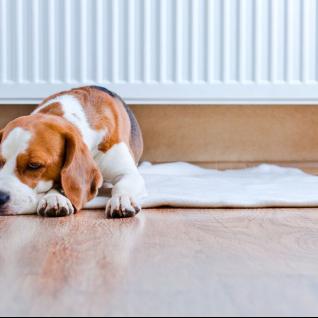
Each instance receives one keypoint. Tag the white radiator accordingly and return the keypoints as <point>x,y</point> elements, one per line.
<point>161,51</point>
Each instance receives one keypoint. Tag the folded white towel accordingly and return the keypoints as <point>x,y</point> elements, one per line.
<point>181,184</point>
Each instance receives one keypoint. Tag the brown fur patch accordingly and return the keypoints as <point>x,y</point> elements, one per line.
<point>105,112</point>
<point>80,176</point>
<point>53,109</point>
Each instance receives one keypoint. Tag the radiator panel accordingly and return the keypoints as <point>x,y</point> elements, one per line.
<point>161,51</point>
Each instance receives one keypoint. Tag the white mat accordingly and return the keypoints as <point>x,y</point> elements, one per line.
<point>184,185</point>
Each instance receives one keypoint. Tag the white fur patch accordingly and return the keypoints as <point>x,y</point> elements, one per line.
<point>16,143</point>
<point>118,167</point>
<point>23,199</point>
<point>75,114</point>
<point>44,186</point>
<point>117,161</point>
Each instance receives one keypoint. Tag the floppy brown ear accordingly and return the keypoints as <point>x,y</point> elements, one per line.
<point>1,134</point>
<point>80,176</point>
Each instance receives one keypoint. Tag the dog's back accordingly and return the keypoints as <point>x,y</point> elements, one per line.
<point>104,110</point>
<point>136,140</point>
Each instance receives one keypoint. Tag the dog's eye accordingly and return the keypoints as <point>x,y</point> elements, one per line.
<point>34,166</point>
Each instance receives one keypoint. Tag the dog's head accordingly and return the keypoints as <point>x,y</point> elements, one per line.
<point>39,152</point>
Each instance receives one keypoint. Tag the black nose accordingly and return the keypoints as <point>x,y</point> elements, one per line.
<point>4,198</point>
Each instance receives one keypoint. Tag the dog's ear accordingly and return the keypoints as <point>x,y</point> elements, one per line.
<point>1,134</point>
<point>80,176</point>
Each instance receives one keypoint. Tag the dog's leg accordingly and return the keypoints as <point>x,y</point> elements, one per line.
<point>118,167</point>
<point>54,204</point>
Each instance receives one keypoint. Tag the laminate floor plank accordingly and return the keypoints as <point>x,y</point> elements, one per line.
<point>164,262</point>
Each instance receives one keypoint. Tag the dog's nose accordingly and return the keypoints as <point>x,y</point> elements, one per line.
<point>4,198</point>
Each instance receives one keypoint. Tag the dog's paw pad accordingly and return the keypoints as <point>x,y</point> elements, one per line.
<point>121,207</point>
<point>55,205</point>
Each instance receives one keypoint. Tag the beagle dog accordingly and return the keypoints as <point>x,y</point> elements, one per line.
<point>54,161</point>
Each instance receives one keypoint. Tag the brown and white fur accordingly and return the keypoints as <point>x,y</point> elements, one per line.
<point>54,161</point>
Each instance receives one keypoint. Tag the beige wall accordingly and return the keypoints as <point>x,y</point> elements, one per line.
<point>225,136</point>
<point>9,112</point>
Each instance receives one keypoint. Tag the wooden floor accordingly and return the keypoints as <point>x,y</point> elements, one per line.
<point>168,261</point>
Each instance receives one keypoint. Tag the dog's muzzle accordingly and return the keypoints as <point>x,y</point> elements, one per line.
<point>4,199</point>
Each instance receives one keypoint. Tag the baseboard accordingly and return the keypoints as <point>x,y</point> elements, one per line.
<point>230,133</point>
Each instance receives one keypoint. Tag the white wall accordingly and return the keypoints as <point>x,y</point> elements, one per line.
<point>161,51</point>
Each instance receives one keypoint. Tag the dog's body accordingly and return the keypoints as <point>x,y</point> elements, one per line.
<point>55,160</point>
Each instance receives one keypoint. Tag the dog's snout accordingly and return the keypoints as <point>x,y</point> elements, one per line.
<point>4,198</point>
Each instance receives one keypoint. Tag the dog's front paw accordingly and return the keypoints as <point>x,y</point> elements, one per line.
<point>122,207</point>
<point>55,205</point>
